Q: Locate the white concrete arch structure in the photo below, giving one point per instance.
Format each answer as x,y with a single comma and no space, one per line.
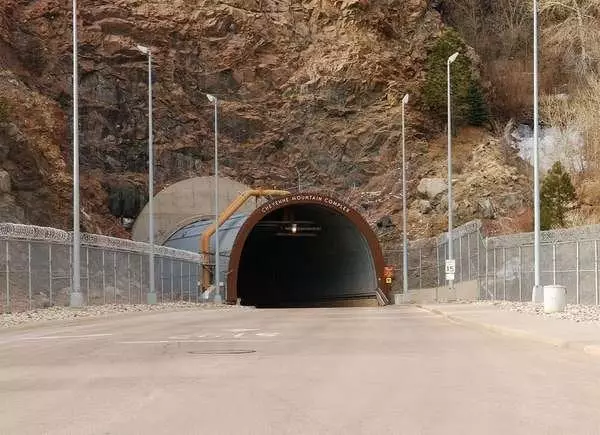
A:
185,202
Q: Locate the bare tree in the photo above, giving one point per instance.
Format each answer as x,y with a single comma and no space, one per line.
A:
572,30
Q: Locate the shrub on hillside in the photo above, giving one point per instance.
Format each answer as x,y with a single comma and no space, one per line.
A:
126,201
4,110
468,103
556,193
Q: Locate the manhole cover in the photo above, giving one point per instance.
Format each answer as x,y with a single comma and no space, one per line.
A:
221,351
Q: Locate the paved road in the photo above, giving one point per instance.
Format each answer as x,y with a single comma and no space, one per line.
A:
395,370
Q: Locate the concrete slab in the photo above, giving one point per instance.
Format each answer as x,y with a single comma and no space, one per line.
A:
391,370
556,332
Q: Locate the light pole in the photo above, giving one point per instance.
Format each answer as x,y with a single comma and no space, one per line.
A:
151,297
537,294
217,299
451,59
405,239
76,298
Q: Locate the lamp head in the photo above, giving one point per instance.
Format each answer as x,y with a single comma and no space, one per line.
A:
405,99
143,49
453,57
211,98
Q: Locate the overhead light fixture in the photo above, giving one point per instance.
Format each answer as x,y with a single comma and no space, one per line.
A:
294,228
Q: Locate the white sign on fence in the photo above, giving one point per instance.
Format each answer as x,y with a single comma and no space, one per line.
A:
449,277
451,266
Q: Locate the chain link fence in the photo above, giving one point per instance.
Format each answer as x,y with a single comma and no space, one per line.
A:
36,269
504,266
568,257
427,259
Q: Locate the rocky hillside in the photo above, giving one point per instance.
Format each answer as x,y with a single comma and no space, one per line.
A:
310,89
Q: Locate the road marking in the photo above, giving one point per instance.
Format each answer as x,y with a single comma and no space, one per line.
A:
267,334
190,341
62,337
242,330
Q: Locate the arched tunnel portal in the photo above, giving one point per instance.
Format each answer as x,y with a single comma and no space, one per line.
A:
302,250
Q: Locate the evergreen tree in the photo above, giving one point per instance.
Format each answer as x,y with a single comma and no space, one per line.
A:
478,113
556,193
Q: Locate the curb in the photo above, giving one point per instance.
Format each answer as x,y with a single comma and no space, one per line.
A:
593,350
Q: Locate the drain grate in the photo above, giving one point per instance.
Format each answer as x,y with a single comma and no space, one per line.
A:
221,351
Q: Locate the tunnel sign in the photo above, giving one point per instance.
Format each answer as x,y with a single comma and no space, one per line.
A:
450,269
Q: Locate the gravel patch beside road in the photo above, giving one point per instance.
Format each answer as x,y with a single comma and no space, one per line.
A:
576,313
66,313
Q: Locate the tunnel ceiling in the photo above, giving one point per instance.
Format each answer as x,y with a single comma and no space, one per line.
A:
303,249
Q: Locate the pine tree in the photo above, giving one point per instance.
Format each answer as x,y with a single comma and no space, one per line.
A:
478,113
556,193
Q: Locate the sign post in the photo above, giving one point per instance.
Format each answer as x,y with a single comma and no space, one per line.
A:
450,269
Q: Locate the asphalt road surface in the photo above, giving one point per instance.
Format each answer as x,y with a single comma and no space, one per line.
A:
393,370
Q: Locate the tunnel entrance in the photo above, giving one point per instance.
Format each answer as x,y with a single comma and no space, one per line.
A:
304,250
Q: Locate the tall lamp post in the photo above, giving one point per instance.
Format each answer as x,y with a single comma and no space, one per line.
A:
405,238
76,298
218,298
151,297
451,59
537,294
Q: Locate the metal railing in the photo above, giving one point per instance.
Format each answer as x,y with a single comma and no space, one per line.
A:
36,269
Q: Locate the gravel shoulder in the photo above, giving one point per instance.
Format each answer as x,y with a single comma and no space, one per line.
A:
57,314
575,313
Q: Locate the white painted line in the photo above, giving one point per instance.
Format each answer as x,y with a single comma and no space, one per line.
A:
267,334
190,341
63,337
242,330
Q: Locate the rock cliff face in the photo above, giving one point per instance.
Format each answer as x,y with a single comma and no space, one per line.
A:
310,91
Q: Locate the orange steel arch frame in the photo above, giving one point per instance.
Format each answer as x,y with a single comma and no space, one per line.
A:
305,198
226,214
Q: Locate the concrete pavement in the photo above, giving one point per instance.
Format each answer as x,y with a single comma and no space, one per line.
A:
391,370
557,332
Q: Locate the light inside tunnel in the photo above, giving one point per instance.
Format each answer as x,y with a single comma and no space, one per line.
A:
304,254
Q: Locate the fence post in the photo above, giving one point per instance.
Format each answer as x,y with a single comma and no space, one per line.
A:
8,304
520,274
469,255
128,278
103,277
115,276
141,277
50,274
437,262
505,271
172,295
189,283
487,290
181,279
29,273
162,280
596,271
196,275
460,257
87,272
495,276
554,263
420,268
577,270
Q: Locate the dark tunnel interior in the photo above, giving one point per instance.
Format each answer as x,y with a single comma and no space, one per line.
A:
304,255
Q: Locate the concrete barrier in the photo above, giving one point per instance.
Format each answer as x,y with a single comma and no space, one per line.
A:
464,291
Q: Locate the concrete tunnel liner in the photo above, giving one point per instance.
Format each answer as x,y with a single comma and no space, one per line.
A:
364,263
